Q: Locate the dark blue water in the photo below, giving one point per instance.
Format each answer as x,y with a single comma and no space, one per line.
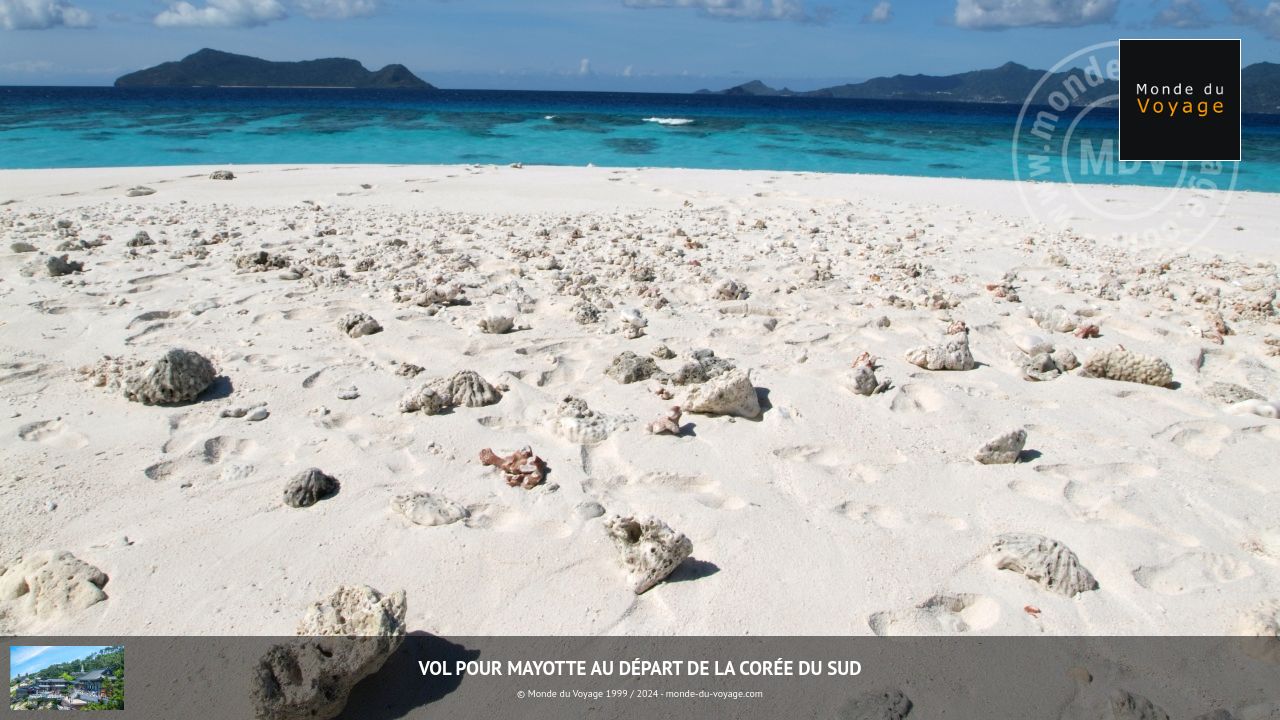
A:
93,127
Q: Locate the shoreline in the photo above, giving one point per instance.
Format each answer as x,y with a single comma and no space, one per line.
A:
872,506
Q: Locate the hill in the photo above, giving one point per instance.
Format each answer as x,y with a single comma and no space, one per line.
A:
753,88
213,68
1008,84
1261,88
111,658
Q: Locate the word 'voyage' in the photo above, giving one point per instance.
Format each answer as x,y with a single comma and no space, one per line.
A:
1180,102
640,668
1171,108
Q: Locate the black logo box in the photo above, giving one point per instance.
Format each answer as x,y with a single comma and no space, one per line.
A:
1190,64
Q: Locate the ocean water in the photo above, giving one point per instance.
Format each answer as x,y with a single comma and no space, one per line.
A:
92,127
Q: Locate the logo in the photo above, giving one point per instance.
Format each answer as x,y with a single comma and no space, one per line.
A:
1066,147
1180,100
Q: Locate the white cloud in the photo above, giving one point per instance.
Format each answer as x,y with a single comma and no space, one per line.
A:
41,15
21,655
881,13
1182,14
738,9
222,14
997,14
337,9
584,67
1267,20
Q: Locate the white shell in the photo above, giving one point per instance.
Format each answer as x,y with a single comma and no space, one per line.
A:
1047,562
428,509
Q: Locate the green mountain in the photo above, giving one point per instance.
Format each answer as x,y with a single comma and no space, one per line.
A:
111,658
213,68
1261,88
1010,84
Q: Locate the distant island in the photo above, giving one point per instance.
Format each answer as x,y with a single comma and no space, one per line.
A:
1261,88
213,68
1008,84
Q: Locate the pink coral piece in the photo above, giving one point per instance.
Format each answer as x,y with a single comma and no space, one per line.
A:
669,425
522,468
866,358
957,327
1085,332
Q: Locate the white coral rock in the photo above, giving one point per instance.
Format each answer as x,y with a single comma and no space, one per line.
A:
443,294
1045,561
465,388
1128,366
424,400
951,354
178,376
1056,319
498,320
429,509
577,423
866,383
1065,359
728,290
701,366
310,487
342,639
1003,450
728,394
51,265
650,549
628,368
355,611
49,585
584,313
358,324
633,323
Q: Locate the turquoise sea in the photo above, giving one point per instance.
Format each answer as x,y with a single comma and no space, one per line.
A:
93,127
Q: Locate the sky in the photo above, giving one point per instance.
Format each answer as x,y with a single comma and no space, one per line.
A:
24,659
624,45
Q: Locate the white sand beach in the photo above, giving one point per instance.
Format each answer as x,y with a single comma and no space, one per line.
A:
832,512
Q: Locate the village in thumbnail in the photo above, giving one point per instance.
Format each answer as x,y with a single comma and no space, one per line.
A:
69,677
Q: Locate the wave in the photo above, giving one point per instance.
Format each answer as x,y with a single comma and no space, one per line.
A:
669,121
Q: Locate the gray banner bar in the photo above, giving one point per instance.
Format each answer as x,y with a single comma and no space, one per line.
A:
211,678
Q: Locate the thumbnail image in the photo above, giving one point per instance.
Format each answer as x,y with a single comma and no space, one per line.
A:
66,677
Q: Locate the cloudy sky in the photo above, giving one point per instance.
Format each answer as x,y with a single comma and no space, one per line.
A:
638,45
25,659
